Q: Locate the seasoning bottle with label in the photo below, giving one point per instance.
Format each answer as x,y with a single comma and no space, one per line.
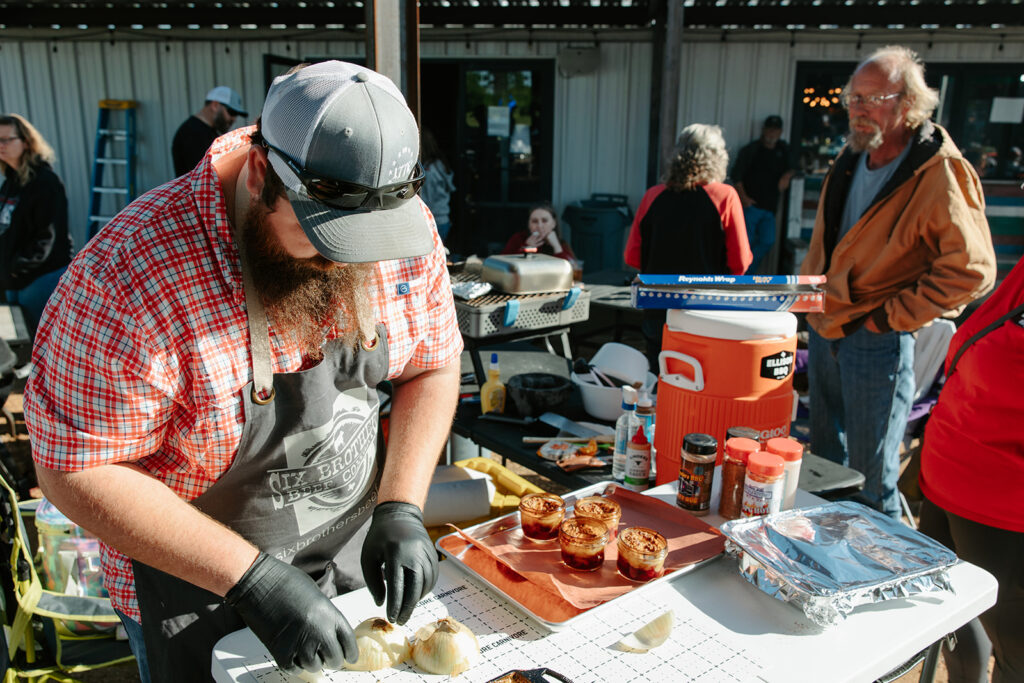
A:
622,432
638,462
792,451
762,488
492,393
734,472
645,415
697,473
746,433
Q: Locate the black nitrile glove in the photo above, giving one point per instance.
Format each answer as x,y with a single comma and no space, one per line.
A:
288,613
398,542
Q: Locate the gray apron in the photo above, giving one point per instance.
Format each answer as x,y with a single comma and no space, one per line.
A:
302,488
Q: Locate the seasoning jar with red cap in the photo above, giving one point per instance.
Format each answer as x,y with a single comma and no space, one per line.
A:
762,488
734,471
792,451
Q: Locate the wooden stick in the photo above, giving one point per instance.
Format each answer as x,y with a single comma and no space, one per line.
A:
600,438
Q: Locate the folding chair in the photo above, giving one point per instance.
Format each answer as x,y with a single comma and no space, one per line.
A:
50,634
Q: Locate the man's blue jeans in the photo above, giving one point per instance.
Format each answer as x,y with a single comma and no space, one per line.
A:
861,389
137,643
760,234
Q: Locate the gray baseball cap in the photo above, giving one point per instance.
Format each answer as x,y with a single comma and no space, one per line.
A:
347,124
229,98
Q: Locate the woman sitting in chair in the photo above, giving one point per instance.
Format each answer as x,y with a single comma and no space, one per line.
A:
542,234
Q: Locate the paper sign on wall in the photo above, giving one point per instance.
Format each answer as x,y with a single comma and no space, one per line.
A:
1006,110
498,120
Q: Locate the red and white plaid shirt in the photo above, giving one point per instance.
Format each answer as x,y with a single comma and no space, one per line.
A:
144,347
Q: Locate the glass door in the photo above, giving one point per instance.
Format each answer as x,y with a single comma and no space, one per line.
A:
502,145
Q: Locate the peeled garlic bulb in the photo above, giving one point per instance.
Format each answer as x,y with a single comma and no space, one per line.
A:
445,647
650,635
381,645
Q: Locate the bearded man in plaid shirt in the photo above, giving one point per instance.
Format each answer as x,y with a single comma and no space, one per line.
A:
204,396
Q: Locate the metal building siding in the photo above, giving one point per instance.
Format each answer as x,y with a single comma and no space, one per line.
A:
601,119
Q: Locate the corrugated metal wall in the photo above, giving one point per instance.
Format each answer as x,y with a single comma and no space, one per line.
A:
601,126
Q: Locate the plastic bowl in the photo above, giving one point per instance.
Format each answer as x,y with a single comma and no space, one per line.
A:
605,403
621,361
534,393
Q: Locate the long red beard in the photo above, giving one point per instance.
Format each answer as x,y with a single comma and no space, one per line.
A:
304,298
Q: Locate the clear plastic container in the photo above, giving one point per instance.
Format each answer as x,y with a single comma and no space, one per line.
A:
734,472
792,451
762,487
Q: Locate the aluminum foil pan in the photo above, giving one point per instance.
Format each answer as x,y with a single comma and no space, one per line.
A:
829,559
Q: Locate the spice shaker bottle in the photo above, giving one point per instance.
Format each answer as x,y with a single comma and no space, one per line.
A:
697,472
746,433
792,451
762,488
734,473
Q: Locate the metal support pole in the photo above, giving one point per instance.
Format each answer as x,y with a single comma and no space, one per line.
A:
393,45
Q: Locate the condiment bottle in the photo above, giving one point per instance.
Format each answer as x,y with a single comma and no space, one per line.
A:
492,393
762,488
622,431
792,451
746,433
645,416
734,472
697,473
638,462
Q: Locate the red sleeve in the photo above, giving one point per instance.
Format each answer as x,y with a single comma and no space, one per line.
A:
515,243
632,253
737,247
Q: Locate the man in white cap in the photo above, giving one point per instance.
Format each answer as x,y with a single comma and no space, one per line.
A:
223,105
205,394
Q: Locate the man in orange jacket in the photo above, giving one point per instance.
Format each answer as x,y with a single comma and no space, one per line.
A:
901,235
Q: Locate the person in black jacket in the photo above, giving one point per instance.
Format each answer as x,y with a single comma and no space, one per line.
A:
34,242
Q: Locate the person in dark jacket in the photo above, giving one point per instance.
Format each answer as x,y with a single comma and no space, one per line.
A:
34,242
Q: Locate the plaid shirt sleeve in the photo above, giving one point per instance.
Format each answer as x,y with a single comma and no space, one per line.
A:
419,311
96,395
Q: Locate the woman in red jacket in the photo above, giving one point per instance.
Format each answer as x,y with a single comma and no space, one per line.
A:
972,476
691,223
542,234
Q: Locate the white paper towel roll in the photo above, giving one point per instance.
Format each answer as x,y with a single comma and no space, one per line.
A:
457,494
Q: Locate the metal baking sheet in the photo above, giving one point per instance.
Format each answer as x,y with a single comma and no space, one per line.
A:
570,499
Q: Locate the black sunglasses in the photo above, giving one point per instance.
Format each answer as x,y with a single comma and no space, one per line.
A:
342,194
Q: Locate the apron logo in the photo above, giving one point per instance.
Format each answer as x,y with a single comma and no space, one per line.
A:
329,467
402,288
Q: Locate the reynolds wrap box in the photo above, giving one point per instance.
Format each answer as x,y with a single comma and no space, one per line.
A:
793,293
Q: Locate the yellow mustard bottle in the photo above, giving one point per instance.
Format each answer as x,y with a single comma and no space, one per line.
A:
492,393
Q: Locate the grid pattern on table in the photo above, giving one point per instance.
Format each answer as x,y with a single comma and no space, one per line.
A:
697,650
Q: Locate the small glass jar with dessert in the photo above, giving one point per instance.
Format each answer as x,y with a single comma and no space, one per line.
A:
642,554
582,540
540,515
602,509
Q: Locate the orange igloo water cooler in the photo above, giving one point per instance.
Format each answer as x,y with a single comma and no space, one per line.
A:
721,369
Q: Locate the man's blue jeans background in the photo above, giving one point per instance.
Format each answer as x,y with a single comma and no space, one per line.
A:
861,388
760,234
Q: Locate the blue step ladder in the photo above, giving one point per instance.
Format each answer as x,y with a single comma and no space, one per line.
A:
115,149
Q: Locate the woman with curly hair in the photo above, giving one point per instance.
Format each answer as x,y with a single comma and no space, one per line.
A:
34,242
691,223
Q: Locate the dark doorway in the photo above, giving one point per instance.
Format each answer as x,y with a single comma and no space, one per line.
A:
494,122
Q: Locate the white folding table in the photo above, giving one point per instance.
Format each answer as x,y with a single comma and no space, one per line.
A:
726,630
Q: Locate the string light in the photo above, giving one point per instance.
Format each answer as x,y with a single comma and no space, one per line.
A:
830,97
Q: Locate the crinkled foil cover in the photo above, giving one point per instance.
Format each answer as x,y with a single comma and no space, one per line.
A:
831,558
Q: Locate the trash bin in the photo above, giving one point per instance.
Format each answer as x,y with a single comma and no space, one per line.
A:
598,228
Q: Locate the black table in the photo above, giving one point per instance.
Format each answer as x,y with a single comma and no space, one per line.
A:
819,476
